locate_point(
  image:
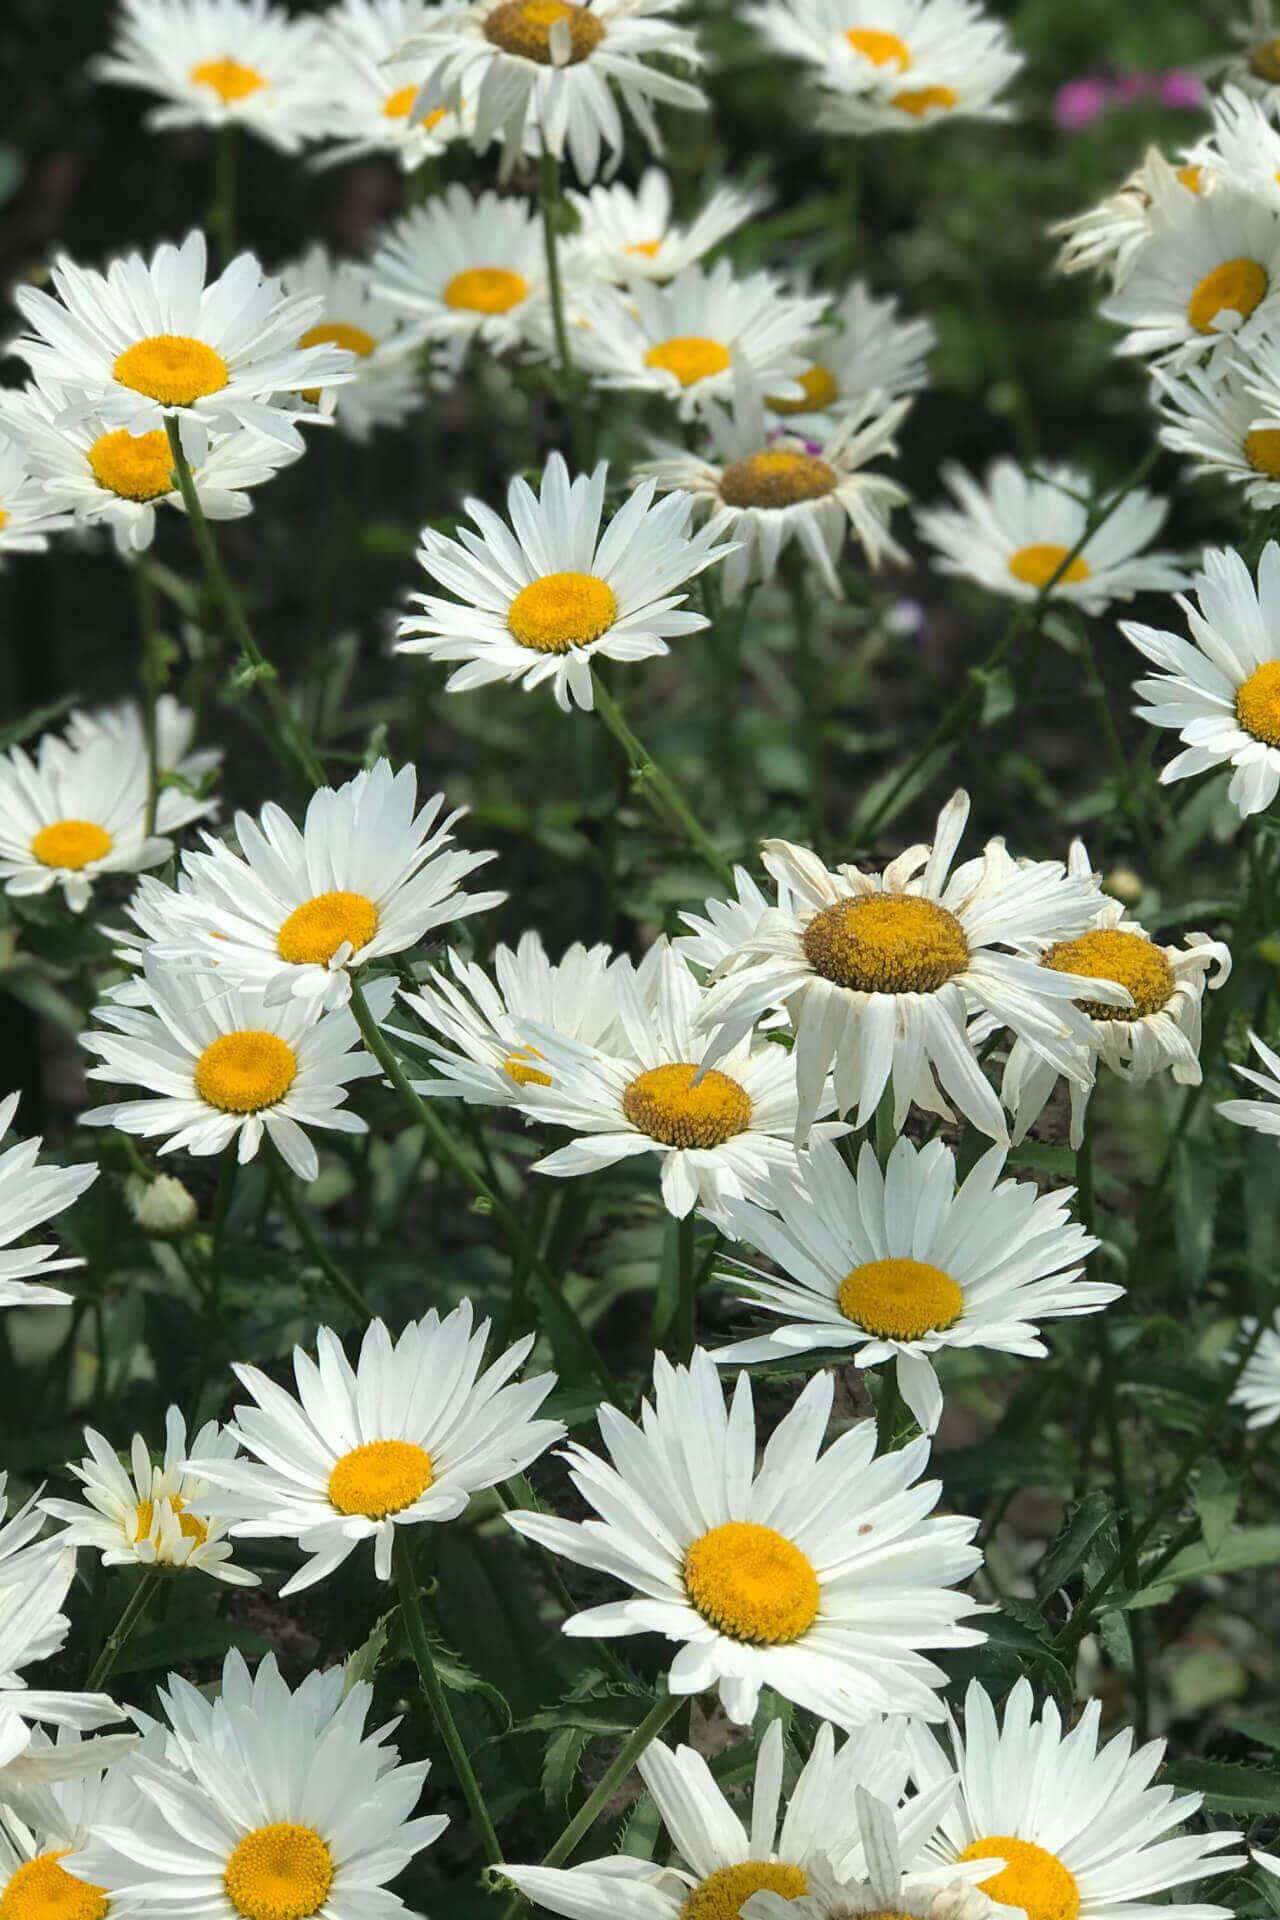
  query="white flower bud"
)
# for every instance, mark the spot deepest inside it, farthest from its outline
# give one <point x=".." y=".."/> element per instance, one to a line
<point x="162" y="1207"/>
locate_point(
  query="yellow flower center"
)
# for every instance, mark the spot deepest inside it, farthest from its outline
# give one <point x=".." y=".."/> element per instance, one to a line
<point x="1236" y="287"/>
<point x="397" y="106"/>
<point x="486" y="290"/>
<point x="137" y="466"/>
<point x="245" y="1071"/>
<point x="339" y="333"/>
<point x="821" y="389"/>
<point x="1032" y="1878"/>
<point x="886" y="943"/>
<point x="229" y="79"/>
<point x="752" y="1583"/>
<point x="1258" y="702"/>
<point x="690" y="356"/>
<point x="524" y="27"/>
<point x="3" y="516"/>
<point x="381" y="1477"/>
<point x="776" y="479"/>
<point x="1036" y="565"/>
<point x="518" y="1067"/>
<point x="1130" y="959"/>
<point x="917" y="100"/>
<point x="71" y="843"/>
<point x="561" y="611"/>
<point x="722" y="1894"/>
<point x="664" y="1103"/>
<point x="1190" y="178"/>
<point x="1262" y="451"/>
<point x="171" y="368"/>
<point x="900" y="1299"/>
<point x="1264" y="61"/>
<point x="882" y="49"/>
<point x="280" y="1872"/>
<point x="43" y="1890"/>
<point x="649" y="248"/>
<point x="189" y="1526"/>
<point x="314" y="931"/>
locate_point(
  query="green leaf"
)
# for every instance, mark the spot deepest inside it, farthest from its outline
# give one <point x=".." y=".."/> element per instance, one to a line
<point x="560" y="1763"/>
<point x="1216" y="1495"/>
<point x="1249" y="1547"/>
<point x="37" y="721"/>
<point x="1071" y="1548"/>
<point x="1227" y="1786"/>
<point x="364" y="1662"/>
<point x="1261" y="1734"/>
<point x="180" y="1643"/>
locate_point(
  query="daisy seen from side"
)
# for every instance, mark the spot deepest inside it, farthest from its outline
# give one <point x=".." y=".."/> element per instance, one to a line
<point x="387" y="384"/>
<point x="32" y="1192"/>
<point x="1207" y="274"/>
<point x="868" y="347"/>
<point x="1258" y="1388"/>
<point x="27" y="515"/>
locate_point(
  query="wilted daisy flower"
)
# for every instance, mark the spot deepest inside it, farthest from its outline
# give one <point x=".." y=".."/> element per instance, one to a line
<point x="767" y="489"/>
<point x="296" y="911"/>
<point x="542" y="599"/>
<point x="219" y="63"/>
<point x="1161" y="1029"/>
<point x="884" y="1884"/>
<point x="475" y="1026"/>
<point x="550" y="67"/>
<point x="123" y="723"/>
<point x="150" y="337"/>
<point x="818" y="1576"/>
<point x="466" y="267"/>
<point x="1081" y="1828"/>
<point x="27" y="515"/>
<point x="1244" y="146"/>
<point x="1262" y="1115"/>
<point x="1107" y="238"/>
<point x="1011" y="532"/>
<point x="33" y="1586"/>
<point x="31" y="1193"/>
<point x="1212" y="417"/>
<point x="403" y="1438"/>
<point x="220" y="1065"/>
<point x="369" y="98"/>
<point x="627" y="234"/>
<point x="901" y="1264"/>
<point x="1220" y="690"/>
<point x="268" y="1805"/>
<point x="386" y="386"/>
<point x="881" y="973"/>
<point x="1208" y="270"/>
<point x="1258" y="1388"/>
<point x="868" y="347"/>
<point x="689" y="339"/>
<point x="151" y="1516"/>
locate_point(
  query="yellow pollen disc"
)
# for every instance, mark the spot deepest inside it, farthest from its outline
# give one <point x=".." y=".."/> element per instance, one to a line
<point x="882" y="49"/>
<point x="1262" y="451"/>
<point x="649" y="248"/>
<point x="886" y="943"/>
<point x="397" y="106"/>
<point x="917" y="100"/>
<point x="665" y="1104"/>
<point x="246" y="1071"/>
<point x="776" y="479"/>
<point x="690" y="356"/>
<point x="280" y="1872"/>
<point x="189" y="1526"/>
<point x="228" y="79"/>
<point x="314" y="931"/>
<point x="1236" y="286"/>
<point x="722" y="1894"/>
<point x="71" y="843"/>
<point x="524" y="27"/>
<point x="1258" y="702"/>
<point x="518" y="1067"/>
<point x="43" y="1890"/>
<point x="381" y="1477"/>
<point x="752" y="1583"/>
<point x="1130" y="959"/>
<point x="1264" y="61"/>
<point x="171" y="368"/>
<point x="1036" y="565"/>
<point x="3" y="516"/>
<point x="900" y="1299"/>
<point x="1032" y="1877"/>
<point x="560" y="611"/>
<point x="821" y="388"/>
<point x="1190" y="178"/>
<point x="339" y="333"/>
<point x="136" y="466"/>
<point x="486" y="290"/>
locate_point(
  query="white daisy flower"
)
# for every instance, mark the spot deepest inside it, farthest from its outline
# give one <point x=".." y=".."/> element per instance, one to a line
<point x="33" y="1585"/>
<point x="1258" y="1388"/>
<point x="1208" y="271"/>
<point x="75" y="813"/>
<point x="177" y="756"/>
<point x="267" y="1804"/>
<point x="56" y="1794"/>
<point x="219" y="63"/>
<point x="1262" y="1115"/>
<point x="723" y="926"/>
<point x="540" y="600"/>
<point x="551" y="68"/>
<point x="1244" y="146"/>
<point x="1220" y="690"/>
<point x="370" y="98"/>
<point x="690" y="339"/>
<point x="818" y="1576"/>
<point x="1106" y="239"/>
<point x="30" y="1194"/>
<point x="220" y="1065"/>
<point x="901" y="1264"/>
<point x="465" y="266"/>
<point x="34" y="1784"/>
<point x="881" y="973"/>
<point x="1257" y="65"/>
<point x="1012" y="530"/>
<point x="403" y="1438"/>
<point x="152" y="1516"/>
<point x="27" y="515"/>
<point x="1166" y="985"/>
<point x="627" y="234"/>
<point x="1212" y="416"/>
<point x="296" y="911"/>
<point x="475" y="1025"/>
<point x="884" y="1884"/>
<point x="767" y="489"/>
<point x="149" y="338"/>
<point x="868" y="348"/>
<point x="387" y="385"/>
<point x="1081" y="1828"/>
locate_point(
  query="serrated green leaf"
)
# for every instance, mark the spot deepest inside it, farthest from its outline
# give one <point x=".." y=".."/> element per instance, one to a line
<point x="1071" y="1548"/>
<point x="1227" y="1786"/>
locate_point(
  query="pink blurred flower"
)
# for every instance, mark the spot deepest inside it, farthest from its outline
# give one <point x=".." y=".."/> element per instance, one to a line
<point x="1078" y="103"/>
<point x="1178" y="88"/>
<point x="1133" y="86"/>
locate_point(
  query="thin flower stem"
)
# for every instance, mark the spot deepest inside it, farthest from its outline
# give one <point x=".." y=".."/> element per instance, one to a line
<point x="888" y="1403"/>
<point x="345" y="1287"/>
<point x="550" y="184"/>
<point x="686" y="1329"/>
<point x="664" y="1708"/>
<point x="152" y="676"/>
<point x="649" y="773"/>
<point x="420" y="1646"/>
<point x="514" y="1502"/>
<point x="123" y="1631"/>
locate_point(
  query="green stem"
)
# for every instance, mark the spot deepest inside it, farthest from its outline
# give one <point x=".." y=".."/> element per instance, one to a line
<point x="649" y="773"/>
<point x="126" y="1626"/>
<point x="550" y="240"/>
<point x="687" y="1309"/>
<point x="447" y="1726"/>
<point x="1121" y="771"/>
<point x="888" y="1402"/>
<point x="664" y="1708"/>
<point x="152" y="677"/>
<point x="304" y="1226"/>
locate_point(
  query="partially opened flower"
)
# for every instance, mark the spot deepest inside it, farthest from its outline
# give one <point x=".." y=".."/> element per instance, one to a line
<point x="30" y="1194"/>
<point x="464" y="267"/>
<point x="27" y="515"/>
<point x="818" y="1575"/>
<point x="1207" y="273"/>
<point x="386" y="384"/>
<point x="1258" y="1388"/>
<point x="627" y="234"/>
